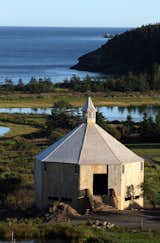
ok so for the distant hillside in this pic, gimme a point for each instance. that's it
(133, 51)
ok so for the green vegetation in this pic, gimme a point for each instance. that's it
(130, 82)
(123, 83)
(77, 99)
(134, 56)
(33, 86)
(152, 171)
(31, 134)
(18, 149)
(152, 185)
(156, 159)
(18, 130)
(33, 229)
(148, 150)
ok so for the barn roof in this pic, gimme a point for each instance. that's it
(88, 144)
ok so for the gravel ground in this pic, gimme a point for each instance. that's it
(147, 219)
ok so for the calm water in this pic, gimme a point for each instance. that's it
(111, 113)
(46, 52)
(4, 130)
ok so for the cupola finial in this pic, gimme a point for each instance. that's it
(89, 111)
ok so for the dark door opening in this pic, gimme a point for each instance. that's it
(100, 184)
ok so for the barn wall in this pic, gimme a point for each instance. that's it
(38, 183)
(114, 182)
(86, 175)
(133, 175)
(60, 181)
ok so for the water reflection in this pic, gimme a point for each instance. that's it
(136, 112)
(4, 130)
(111, 113)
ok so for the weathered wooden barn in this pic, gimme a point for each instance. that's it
(87, 162)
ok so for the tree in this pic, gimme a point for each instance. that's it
(9, 182)
(20, 86)
(156, 76)
(101, 121)
(32, 86)
(61, 118)
(56, 134)
(9, 87)
(158, 120)
(62, 105)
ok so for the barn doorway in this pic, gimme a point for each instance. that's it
(100, 184)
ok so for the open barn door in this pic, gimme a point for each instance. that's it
(100, 184)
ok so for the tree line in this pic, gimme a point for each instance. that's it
(131, 82)
(33, 86)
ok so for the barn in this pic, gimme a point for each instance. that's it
(87, 163)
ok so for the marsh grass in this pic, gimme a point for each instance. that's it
(17, 129)
(77, 99)
(30, 229)
(146, 149)
(156, 159)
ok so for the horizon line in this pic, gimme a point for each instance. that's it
(78, 26)
(49, 26)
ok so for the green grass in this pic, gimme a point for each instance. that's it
(156, 159)
(77, 99)
(17, 158)
(17, 161)
(21, 124)
(17, 129)
(146, 149)
(30, 229)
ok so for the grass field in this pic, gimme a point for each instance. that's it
(77, 99)
(17, 153)
(64, 232)
(156, 159)
(17, 129)
(149, 151)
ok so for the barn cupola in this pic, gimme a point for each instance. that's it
(89, 112)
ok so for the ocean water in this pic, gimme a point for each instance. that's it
(27, 52)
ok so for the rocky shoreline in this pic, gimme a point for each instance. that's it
(90, 62)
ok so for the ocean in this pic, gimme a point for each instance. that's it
(40, 52)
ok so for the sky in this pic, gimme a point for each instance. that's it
(82, 13)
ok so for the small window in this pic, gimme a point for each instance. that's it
(141, 165)
(123, 169)
(76, 169)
